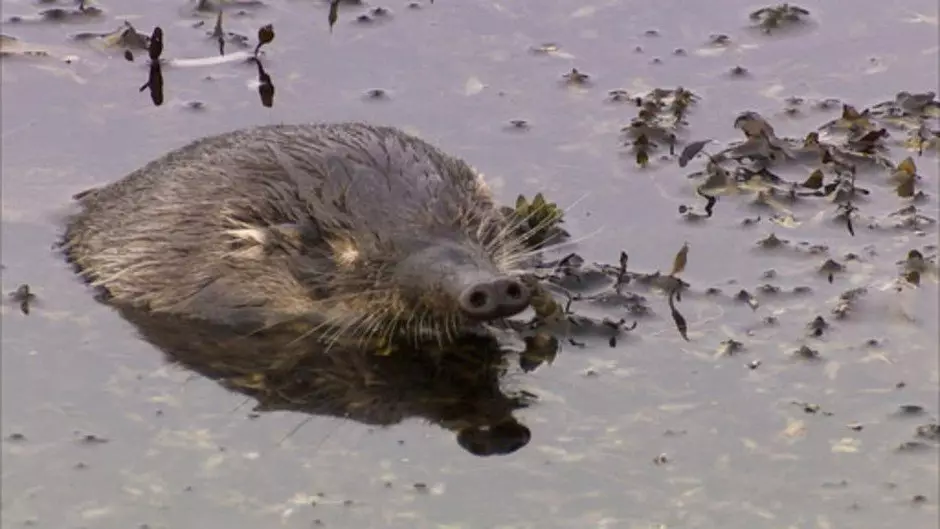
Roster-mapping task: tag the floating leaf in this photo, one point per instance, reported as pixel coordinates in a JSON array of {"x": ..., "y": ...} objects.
[
  {"x": 815, "y": 180},
  {"x": 542, "y": 348},
  {"x": 678, "y": 264},
  {"x": 538, "y": 201},
  {"x": 156, "y": 44},
  {"x": 690, "y": 151},
  {"x": 905, "y": 188},
  {"x": 265, "y": 36},
  {"x": 907, "y": 166}
]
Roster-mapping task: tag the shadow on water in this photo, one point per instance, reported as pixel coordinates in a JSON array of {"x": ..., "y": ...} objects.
[{"x": 285, "y": 373}]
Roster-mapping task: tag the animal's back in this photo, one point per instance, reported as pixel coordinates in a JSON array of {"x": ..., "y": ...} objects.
[{"x": 162, "y": 236}]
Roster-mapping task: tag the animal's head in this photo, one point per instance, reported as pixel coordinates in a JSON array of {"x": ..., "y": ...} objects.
[
  {"x": 423, "y": 275},
  {"x": 429, "y": 282}
]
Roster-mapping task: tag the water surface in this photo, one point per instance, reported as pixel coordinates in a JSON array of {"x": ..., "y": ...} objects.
[{"x": 181, "y": 451}]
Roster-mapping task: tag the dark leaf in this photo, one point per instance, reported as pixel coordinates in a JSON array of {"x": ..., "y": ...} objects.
[
  {"x": 156, "y": 44},
  {"x": 677, "y": 317},
  {"x": 682, "y": 257},
  {"x": 690, "y": 151},
  {"x": 905, "y": 188},
  {"x": 334, "y": 13},
  {"x": 265, "y": 36},
  {"x": 815, "y": 180}
]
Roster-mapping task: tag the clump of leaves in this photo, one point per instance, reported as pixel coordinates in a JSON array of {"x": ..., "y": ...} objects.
[
  {"x": 540, "y": 348},
  {"x": 538, "y": 221},
  {"x": 915, "y": 114},
  {"x": 904, "y": 177},
  {"x": 748, "y": 166},
  {"x": 778, "y": 16},
  {"x": 661, "y": 117}
]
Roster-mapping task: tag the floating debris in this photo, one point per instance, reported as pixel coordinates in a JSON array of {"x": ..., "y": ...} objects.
[
  {"x": 24, "y": 297},
  {"x": 778, "y": 17},
  {"x": 661, "y": 118},
  {"x": 576, "y": 78}
]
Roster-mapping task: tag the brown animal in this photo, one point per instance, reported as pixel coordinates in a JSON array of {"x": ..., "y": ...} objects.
[{"x": 351, "y": 230}]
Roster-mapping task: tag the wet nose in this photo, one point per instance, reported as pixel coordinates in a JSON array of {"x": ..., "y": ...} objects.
[
  {"x": 514, "y": 297},
  {"x": 496, "y": 299}
]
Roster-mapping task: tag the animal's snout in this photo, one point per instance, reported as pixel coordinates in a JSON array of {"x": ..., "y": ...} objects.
[
  {"x": 501, "y": 298},
  {"x": 513, "y": 296}
]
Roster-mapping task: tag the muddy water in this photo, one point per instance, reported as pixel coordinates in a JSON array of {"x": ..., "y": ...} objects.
[{"x": 100, "y": 432}]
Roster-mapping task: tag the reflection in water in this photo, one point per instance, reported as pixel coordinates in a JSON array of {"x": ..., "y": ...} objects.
[
  {"x": 265, "y": 86},
  {"x": 155, "y": 77},
  {"x": 460, "y": 393}
]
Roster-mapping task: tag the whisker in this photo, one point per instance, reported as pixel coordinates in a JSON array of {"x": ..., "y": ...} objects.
[{"x": 510, "y": 260}]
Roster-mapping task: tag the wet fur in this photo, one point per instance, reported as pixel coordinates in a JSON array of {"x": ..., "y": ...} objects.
[{"x": 281, "y": 223}]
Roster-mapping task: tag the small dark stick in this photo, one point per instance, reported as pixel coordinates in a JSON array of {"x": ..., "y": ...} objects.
[
  {"x": 622, "y": 278},
  {"x": 219, "y": 34},
  {"x": 334, "y": 13}
]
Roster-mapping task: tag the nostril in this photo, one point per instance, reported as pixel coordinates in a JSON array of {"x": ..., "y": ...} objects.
[
  {"x": 478, "y": 299},
  {"x": 500, "y": 299},
  {"x": 514, "y": 291},
  {"x": 512, "y": 296}
]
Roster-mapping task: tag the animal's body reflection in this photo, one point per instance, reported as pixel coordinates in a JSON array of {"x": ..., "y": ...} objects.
[{"x": 460, "y": 393}]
